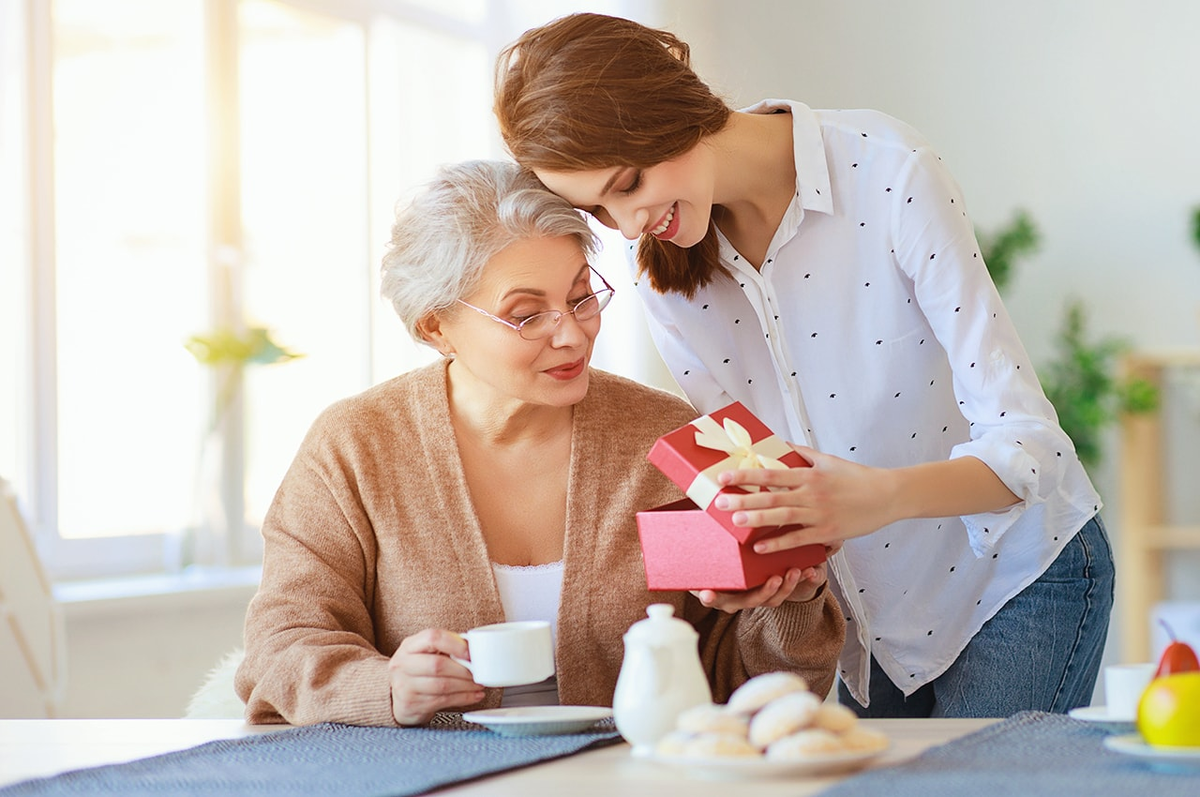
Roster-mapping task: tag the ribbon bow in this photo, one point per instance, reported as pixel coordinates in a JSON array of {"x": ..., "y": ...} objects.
[{"x": 733, "y": 439}]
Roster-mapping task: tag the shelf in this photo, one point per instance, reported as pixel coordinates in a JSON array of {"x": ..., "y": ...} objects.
[
  {"x": 1145, "y": 536},
  {"x": 1172, "y": 538}
]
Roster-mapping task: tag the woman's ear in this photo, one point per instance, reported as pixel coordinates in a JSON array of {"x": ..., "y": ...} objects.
[{"x": 430, "y": 328}]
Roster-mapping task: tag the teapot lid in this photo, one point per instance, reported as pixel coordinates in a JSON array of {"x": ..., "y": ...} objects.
[{"x": 661, "y": 627}]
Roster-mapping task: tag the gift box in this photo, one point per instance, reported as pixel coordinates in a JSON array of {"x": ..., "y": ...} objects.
[
  {"x": 690, "y": 544},
  {"x": 731, "y": 438},
  {"x": 684, "y": 547}
]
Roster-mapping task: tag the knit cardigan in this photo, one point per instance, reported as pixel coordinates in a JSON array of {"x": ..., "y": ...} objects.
[{"x": 372, "y": 537}]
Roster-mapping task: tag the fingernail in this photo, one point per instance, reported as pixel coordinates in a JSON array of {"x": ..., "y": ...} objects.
[
  {"x": 760, "y": 547},
  {"x": 722, "y": 502},
  {"x": 724, "y": 477},
  {"x": 740, "y": 519}
]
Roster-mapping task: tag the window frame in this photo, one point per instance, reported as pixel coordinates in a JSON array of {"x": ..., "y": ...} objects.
[{"x": 36, "y": 481}]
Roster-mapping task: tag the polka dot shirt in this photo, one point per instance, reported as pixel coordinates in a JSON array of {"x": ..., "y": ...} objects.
[{"x": 874, "y": 333}]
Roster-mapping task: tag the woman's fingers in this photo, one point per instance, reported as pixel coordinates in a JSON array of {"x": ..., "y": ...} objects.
[
  {"x": 772, "y": 593},
  {"x": 425, "y": 679}
]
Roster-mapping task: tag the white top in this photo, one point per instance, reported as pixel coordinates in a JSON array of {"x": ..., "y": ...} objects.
[
  {"x": 531, "y": 593},
  {"x": 874, "y": 333}
]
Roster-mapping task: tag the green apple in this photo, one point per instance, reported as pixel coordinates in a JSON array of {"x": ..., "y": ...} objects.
[{"x": 1169, "y": 711}]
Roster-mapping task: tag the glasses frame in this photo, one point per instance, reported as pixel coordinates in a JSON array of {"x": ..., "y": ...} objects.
[{"x": 558, "y": 314}]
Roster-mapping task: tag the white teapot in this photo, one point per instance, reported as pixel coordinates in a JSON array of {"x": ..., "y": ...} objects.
[{"x": 661, "y": 677}]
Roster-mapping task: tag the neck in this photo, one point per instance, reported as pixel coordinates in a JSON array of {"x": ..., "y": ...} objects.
[
  {"x": 482, "y": 416},
  {"x": 756, "y": 170}
]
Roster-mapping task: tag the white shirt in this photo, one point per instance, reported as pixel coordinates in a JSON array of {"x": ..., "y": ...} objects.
[
  {"x": 873, "y": 332},
  {"x": 531, "y": 593}
]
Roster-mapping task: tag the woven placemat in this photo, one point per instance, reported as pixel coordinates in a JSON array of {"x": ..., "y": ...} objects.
[
  {"x": 1031, "y": 753},
  {"x": 325, "y": 759}
]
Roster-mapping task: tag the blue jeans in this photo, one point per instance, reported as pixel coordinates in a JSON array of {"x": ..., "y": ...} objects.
[{"x": 1040, "y": 652}]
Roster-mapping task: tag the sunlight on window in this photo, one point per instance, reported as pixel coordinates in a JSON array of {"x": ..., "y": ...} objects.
[
  {"x": 430, "y": 104},
  {"x": 214, "y": 164},
  {"x": 304, "y": 202},
  {"x": 14, "y": 243},
  {"x": 472, "y": 11},
  {"x": 130, "y": 211}
]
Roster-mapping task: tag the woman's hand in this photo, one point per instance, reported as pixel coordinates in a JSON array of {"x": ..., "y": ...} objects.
[
  {"x": 795, "y": 585},
  {"x": 834, "y": 500},
  {"x": 425, "y": 680}
]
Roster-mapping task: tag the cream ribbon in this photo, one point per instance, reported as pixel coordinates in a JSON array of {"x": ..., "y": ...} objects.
[{"x": 732, "y": 438}]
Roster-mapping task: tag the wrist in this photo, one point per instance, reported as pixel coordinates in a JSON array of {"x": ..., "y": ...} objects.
[{"x": 816, "y": 593}]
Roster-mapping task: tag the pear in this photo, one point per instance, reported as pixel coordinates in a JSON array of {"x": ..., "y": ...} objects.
[{"x": 1177, "y": 657}]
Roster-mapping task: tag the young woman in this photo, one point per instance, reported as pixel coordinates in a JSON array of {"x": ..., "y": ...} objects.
[
  {"x": 498, "y": 484},
  {"x": 820, "y": 267}
]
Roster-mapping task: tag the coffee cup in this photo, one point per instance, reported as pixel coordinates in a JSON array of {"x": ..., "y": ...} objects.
[
  {"x": 1123, "y": 687},
  {"x": 510, "y": 654}
]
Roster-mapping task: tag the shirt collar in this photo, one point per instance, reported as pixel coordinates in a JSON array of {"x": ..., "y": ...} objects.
[{"x": 808, "y": 148}]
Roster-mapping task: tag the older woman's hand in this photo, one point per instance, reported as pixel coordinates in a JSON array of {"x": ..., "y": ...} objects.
[
  {"x": 795, "y": 585},
  {"x": 425, "y": 680}
]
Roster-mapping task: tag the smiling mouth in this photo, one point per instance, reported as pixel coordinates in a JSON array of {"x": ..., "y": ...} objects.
[
  {"x": 567, "y": 370},
  {"x": 666, "y": 221}
]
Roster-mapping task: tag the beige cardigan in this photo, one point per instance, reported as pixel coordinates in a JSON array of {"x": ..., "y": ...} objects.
[{"x": 372, "y": 538}]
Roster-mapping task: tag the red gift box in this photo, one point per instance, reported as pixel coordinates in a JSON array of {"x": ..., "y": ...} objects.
[
  {"x": 728, "y": 439},
  {"x": 685, "y": 548}
]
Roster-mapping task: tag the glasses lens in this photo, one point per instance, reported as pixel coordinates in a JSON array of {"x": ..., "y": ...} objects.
[
  {"x": 539, "y": 326},
  {"x": 591, "y": 306}
]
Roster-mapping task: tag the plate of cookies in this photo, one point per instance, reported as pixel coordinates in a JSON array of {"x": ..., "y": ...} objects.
[{"x": 772, "y": 726}]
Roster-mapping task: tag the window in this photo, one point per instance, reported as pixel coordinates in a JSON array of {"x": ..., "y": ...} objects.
[
  {"x": 200, "y": 165},
  {"x": 170, "y": 168}
]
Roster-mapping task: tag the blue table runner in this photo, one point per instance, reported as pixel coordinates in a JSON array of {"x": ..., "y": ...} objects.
[
  {"x": 324, "y": 759},
  {"x": 1031, "y": 753}
]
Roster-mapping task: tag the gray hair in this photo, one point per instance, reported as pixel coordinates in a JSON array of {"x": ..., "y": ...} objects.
[{"x": 464, "y": 217}]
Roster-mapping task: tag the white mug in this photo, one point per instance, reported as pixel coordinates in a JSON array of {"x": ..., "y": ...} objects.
[
  {"x": 510, "y": 654},
  {"x": 1123, "y": 687}
]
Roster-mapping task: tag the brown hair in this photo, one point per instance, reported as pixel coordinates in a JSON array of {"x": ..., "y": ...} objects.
[{"x": 589, "y": 91}]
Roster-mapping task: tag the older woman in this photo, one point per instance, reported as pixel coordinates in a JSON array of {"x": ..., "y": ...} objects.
[{"x": 497, "y": 484}]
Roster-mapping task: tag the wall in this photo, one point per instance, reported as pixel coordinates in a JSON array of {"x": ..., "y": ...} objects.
[
  {"x": 1084, "y": 114},
  {"x": 144, "y": 648}
]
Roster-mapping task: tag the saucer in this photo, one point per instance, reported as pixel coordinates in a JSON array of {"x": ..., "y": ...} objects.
[
  {"x": 538, "y": 720},
  {"x": 1101, "y": 716},
  {"x": 1175, "y": 759}
]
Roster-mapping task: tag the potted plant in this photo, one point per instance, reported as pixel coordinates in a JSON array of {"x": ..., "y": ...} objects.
[
  {"x": 1080, "y": 378},
  {"x": 220, "y": 501}
]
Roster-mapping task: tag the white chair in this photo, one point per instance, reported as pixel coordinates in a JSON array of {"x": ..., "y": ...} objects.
[{"x": 32, "y": 638}]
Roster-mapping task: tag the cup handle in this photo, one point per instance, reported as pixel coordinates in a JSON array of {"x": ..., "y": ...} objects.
[{"x": 465, "y": 638}]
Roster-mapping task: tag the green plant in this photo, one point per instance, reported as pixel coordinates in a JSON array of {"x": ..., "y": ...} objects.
[
  {"x": 1002, "y": 248},
  {"x": 1196, "y": 226},
  {"x": 1080, "y": 379},
  {"x": 1080, "y": 383},
  {"x": 229, "y": 351}
]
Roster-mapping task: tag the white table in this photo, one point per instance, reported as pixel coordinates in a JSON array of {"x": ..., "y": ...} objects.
[{"x": 35, "y": 748}]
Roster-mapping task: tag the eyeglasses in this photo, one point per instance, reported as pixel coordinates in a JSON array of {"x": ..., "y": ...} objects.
[{"x": 543, "y": 325}]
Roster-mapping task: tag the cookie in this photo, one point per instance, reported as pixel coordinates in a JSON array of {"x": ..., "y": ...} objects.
[
  {"x": 835, "y": 718},
  {"x": 673, "y": 743},
  {"x": 806, "y": 744},
  {"x": 712, "y": 718},
  {"x": 783, "y": 716},
  {"x": 708, "y": 745},
  {"x": 762, "y": 689}
]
